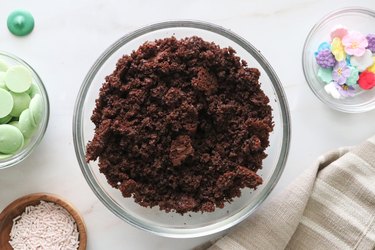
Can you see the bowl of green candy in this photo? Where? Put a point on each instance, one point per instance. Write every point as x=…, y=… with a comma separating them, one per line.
x=24, y=110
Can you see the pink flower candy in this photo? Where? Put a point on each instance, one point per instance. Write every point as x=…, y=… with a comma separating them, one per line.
x=355, y=43
x=339, y=31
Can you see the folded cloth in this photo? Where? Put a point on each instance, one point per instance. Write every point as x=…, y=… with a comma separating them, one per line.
x=330, y=206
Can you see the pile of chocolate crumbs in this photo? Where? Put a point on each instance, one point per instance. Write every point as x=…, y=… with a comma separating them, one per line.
x=181, y=124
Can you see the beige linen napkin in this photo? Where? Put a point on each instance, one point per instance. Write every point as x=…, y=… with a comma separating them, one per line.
x=331, y=206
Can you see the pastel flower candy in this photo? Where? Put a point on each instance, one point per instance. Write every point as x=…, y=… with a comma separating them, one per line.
x=323, y=46
x=325, y=74
x=325, y=59
x=338, y=91
x=355, y=43
x=339, y=31
x=347, y=59
x=340, y=72
x=366, y=80
x=332, y=90
x=351, y=55
x=345, y=90
x=337, y=49
x=371, y=42
x=372, y=67
x=354, y=75
x=362, y=62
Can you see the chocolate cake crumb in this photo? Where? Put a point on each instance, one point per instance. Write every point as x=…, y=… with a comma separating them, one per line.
x=180, y=149
x=181, y=124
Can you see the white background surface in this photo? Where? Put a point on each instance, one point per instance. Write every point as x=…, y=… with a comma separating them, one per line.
x=70, y=35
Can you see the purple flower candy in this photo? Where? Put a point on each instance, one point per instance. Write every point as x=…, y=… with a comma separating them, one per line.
x=325, y=59
x=371, y=42
x=340, y=72
x=345, y=90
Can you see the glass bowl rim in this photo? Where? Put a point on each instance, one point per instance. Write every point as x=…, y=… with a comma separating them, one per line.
x=354, y=9
x=25, y=152
x=79, y=144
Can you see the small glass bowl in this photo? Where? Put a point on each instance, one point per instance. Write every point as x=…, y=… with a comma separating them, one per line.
x=33, y=142
x=152, y=219
x=354, y=18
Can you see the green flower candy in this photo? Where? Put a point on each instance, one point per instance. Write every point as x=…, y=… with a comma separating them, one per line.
x=354, y=75
x=325, y=75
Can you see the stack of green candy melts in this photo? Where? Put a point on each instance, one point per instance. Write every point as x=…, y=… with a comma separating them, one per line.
x=21, y=108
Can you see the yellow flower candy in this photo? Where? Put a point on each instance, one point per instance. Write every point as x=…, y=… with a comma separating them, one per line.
x=372, y=67
x=338, y=49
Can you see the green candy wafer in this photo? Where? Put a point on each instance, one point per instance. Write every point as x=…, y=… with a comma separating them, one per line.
x=21, y=102
x=5, y=119
x=33, y=90
x=15, y=124
x=2, y=156
x=6, y=103
x=3, y=66
x=11, y=139
x=2, y=82
x=18, y=79
x=36, y=108
x=20, y=23
x=26, y=123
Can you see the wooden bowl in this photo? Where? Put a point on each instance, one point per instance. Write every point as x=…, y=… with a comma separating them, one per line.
x=18, y=206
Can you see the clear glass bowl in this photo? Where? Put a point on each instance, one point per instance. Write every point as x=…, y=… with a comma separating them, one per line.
x=190, y=224
x=359, y=19
x=36, y=138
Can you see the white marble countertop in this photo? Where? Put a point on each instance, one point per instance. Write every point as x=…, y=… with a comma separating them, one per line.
x=70, y=35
